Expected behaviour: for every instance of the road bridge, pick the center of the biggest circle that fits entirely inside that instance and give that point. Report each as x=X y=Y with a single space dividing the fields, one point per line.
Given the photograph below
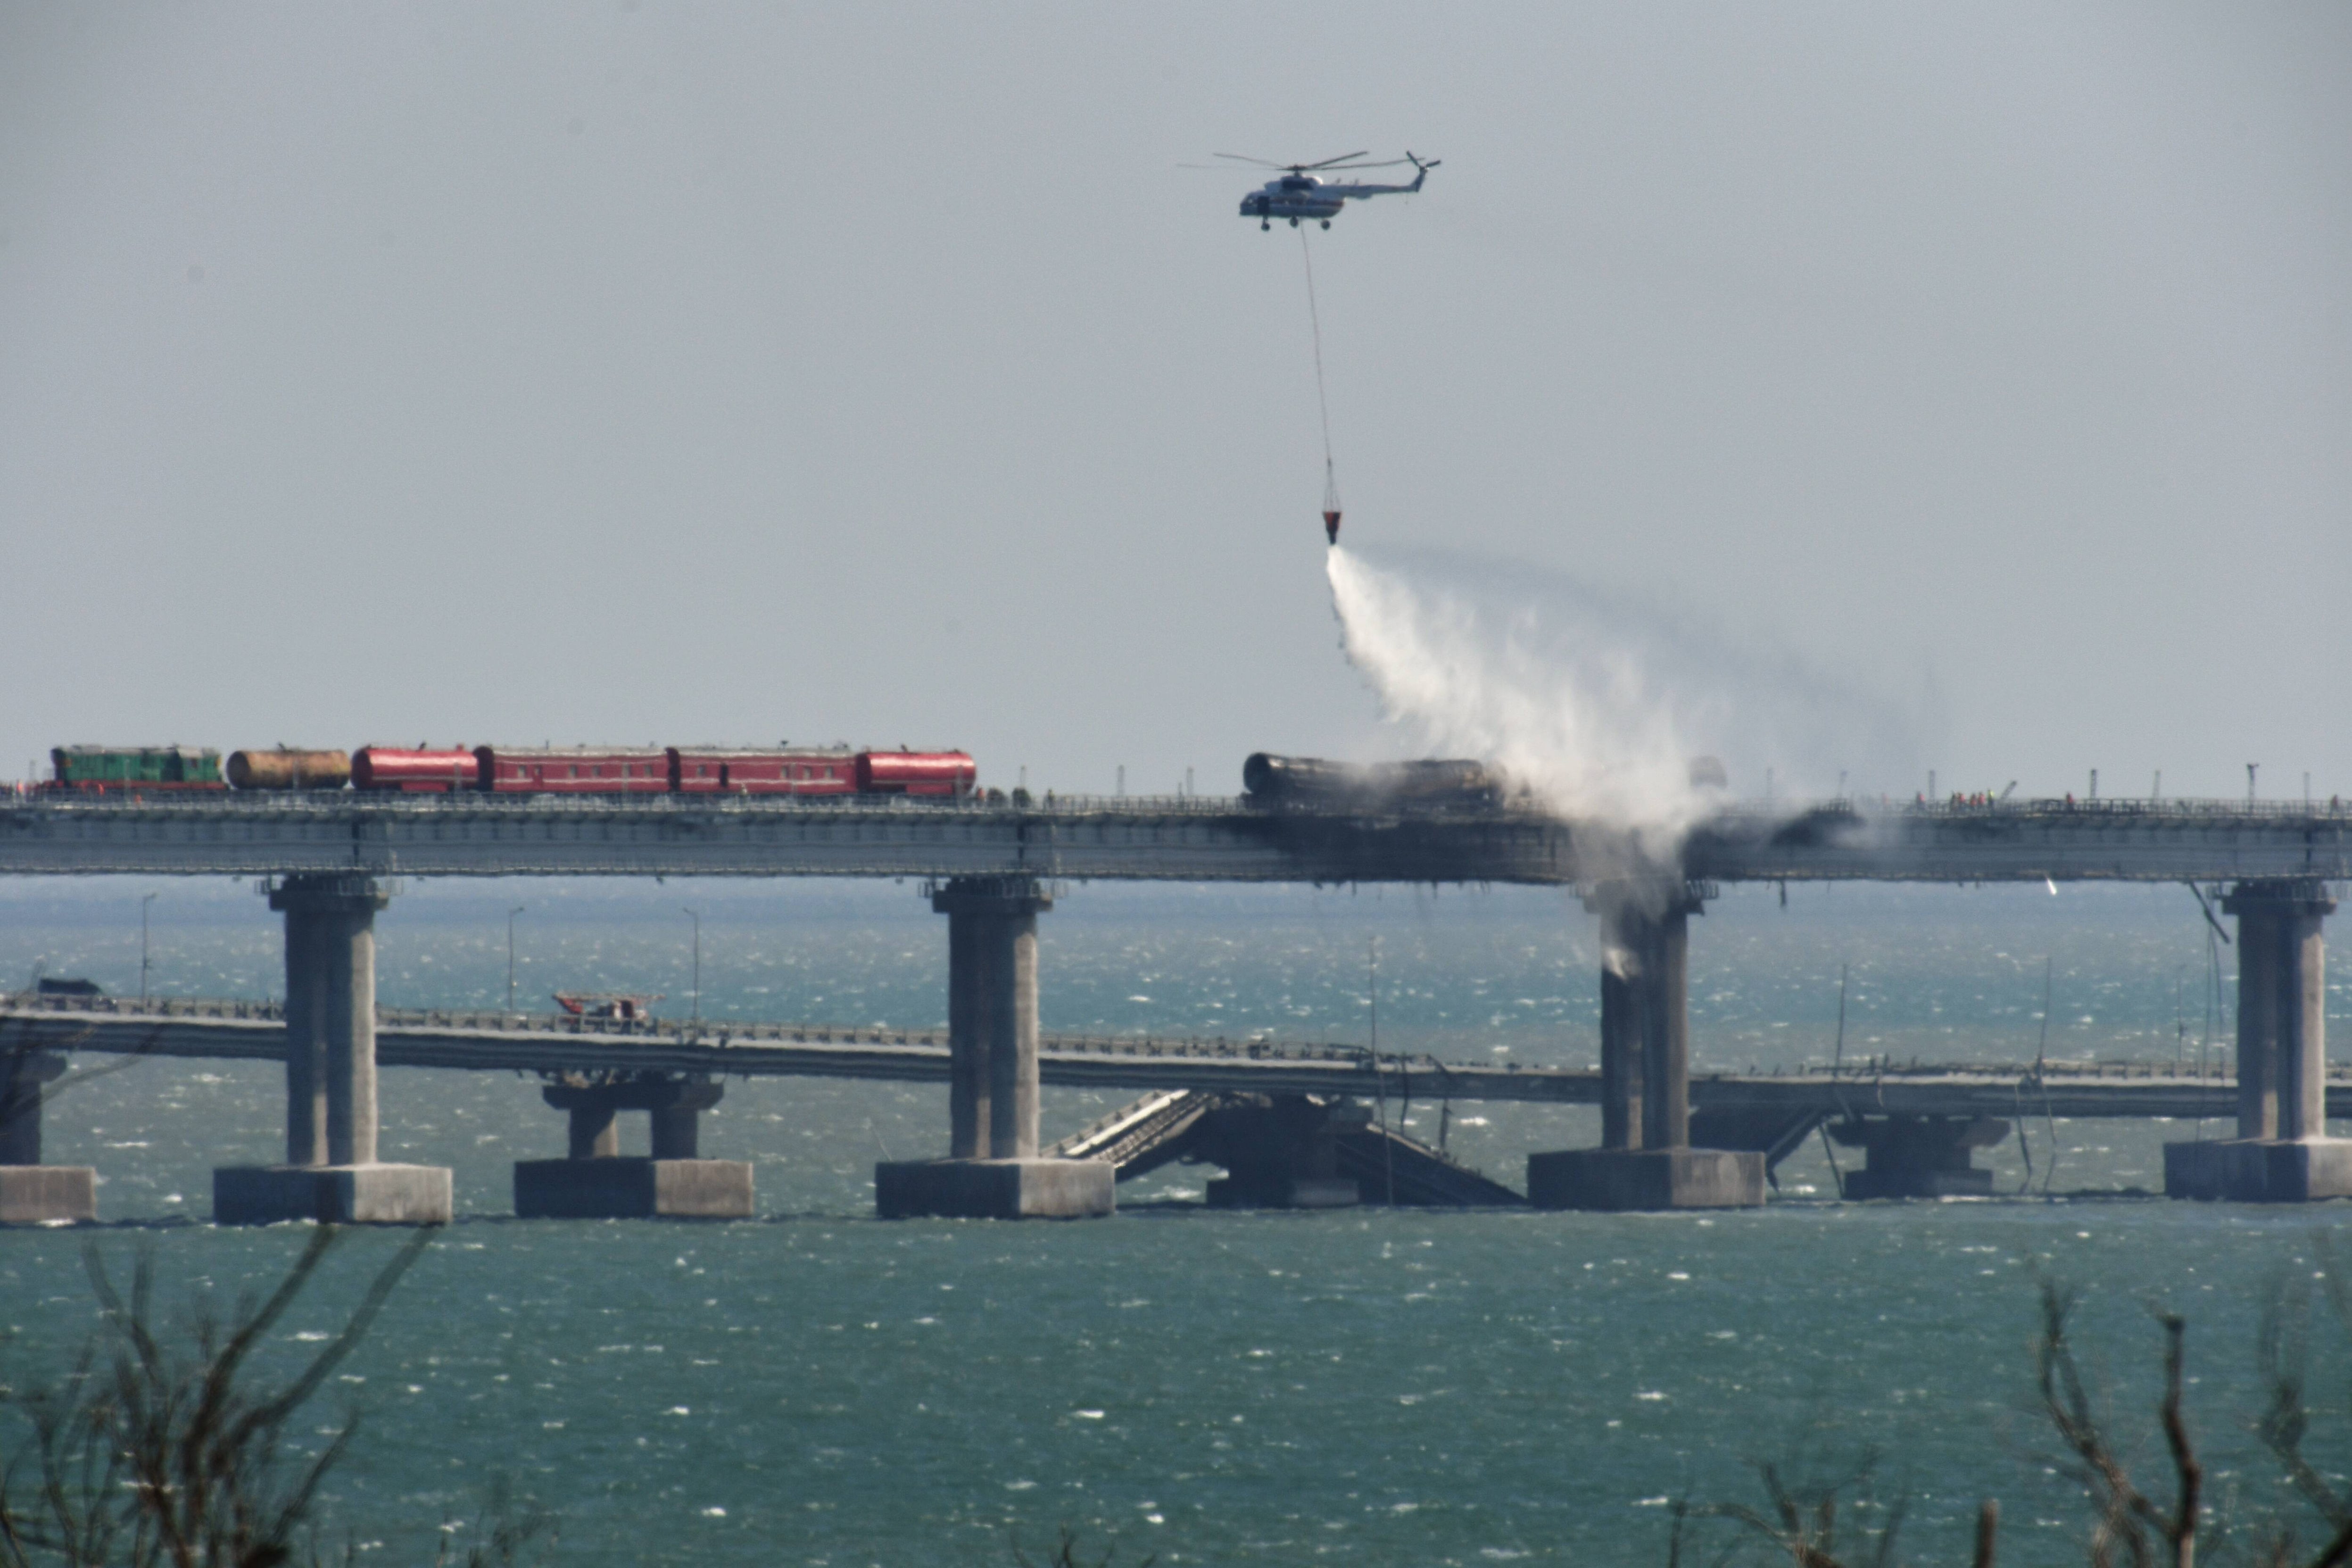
x=1187 y=1084
x=330 y=861
x=557 y=1045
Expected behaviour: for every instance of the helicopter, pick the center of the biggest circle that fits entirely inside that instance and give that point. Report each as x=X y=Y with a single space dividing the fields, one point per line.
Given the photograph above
x=1299 y=193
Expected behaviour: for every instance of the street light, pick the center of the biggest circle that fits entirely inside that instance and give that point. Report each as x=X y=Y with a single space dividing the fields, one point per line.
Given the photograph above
x=511 y=920
x=697 y=1015
x=142 y=947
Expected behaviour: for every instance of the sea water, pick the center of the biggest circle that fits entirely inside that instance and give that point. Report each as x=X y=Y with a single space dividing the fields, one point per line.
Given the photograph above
x=818 y=1386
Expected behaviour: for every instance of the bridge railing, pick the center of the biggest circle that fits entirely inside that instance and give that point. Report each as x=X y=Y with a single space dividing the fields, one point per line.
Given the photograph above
x=2121 y=808
x=339 y=805
x=1421 y=1070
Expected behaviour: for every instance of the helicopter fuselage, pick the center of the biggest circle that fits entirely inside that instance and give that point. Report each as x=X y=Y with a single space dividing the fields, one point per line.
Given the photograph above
x=1301 y=197
x=1293 y=197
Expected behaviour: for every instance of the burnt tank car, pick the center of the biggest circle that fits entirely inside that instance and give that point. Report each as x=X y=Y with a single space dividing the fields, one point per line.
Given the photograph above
x=288 y=768
x=1427 y=784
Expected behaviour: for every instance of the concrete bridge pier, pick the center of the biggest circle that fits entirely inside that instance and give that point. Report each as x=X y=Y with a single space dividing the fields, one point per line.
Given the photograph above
x=1919 y=1156
x=30 y=1192
x=596 y=1181
x=1645 y=1160
x=1281 y=1152
x=2282 y=1152
x=992 y=1170
x=331 y=1173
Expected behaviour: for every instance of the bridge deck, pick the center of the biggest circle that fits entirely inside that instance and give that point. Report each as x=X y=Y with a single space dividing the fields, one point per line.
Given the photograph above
x=555 y=1043
x=1188 y=840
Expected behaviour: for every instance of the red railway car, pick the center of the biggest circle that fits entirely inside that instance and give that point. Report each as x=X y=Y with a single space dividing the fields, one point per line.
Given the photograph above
x=808 y=770
x=415 y=770
x=659 y=770
x=574 y=770
x=948 y=773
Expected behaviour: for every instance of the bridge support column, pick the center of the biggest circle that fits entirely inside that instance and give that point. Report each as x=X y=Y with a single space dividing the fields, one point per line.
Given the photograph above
x=597 y=1182
x=331 y=1172
x=1281 y=1152
x=30 y=1192
x=992 y=1170
x=1645 y=1160
x=2282 y=1152
x=1919 y=1156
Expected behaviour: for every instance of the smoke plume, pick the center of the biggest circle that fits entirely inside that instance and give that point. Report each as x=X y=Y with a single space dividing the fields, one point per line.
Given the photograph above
x=1596 y=705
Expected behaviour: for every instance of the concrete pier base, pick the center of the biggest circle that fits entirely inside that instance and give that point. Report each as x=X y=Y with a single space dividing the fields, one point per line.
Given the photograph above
x=1282 y=1154
x=617 y=1188
x=1645 y=1160
x=30 y=1192
x=1919 y=1156
x=596 y=1182
x=333 y=1194
x=2260 y=1170
x=1636 y=1179
x=330 y=1174
x=2281 y=1153
x=995 y=1189
x=47 y=1194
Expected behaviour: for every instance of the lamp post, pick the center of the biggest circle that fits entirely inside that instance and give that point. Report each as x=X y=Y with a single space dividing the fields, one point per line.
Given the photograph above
x=142 y=947
x=697 y=1015
x=511 y=920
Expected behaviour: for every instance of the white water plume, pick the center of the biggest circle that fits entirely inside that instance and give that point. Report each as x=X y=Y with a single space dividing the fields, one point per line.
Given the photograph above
x=1595 y=706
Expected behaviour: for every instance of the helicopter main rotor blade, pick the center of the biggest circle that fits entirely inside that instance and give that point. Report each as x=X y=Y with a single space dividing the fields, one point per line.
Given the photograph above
x=1261 y=162
x=1329 y=162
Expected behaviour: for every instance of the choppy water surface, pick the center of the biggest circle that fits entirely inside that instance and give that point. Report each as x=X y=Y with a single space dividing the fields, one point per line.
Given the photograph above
x=818 y=1386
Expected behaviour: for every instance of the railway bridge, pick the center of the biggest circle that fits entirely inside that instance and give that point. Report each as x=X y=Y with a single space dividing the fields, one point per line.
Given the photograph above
x=330 y=861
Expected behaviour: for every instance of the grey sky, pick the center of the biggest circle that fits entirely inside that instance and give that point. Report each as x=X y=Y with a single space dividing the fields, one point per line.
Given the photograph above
x=682 y=373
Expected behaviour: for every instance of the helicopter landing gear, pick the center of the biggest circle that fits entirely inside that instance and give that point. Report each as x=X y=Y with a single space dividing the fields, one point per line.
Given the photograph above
x=1326 y=223
x=1293 y=223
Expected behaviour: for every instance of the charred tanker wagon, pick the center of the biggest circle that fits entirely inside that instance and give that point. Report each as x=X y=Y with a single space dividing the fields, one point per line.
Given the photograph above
x=284 y=768
x=1428 y=783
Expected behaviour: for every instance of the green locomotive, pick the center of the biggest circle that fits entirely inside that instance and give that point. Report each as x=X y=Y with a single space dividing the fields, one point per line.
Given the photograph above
x=136 y=767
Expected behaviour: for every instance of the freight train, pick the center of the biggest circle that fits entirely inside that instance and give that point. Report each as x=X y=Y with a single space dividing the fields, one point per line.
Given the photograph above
x=509 y=770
